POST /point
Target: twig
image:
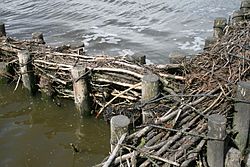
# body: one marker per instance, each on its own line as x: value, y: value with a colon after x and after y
x: 116, y: 149
x: 19, y: 78
x: 101, y: 110
x: 186, y: 133
x: 153, y: 156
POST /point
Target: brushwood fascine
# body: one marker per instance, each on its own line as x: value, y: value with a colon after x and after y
x: 161, y: 115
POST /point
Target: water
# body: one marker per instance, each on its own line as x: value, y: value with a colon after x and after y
x: 38, y: 133
x: 151, y: 27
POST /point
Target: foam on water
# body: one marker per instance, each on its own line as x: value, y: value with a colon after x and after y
x: 107, y: 25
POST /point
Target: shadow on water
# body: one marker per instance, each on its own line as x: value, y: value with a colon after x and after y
x: 39, y: 133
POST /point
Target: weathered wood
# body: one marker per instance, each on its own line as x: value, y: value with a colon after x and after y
x: 38, y: 37
x: 237, y: 16
x: 247, y: 160
x: 242, y: 116
x: 150, y: 87
x: 2, y: 29
x: 176, y: 57
x: 233, y: 158
x: 118, y: 126
x: 26, y: 69
x: 77, y: 47
x: 81, y: 90
x: 115, y: 150
x: 45, y: 85
x: 137, y: 58
x: 215, y: 148
x: 219, y: 25
x: 150, y: 90
x: 3, y: 72
x: 245, y: 6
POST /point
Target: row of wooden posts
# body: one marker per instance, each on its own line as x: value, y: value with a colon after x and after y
x: 217, y: 132
x: 221, y: 22
x: 150, y: 90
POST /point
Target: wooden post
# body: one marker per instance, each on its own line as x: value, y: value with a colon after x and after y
x: 219, y: 25
x: 118, y: 126
x: 81, y: 92
x: 136, y: 58
x: 77, y: 47
x: 245, y: 6
x: 46, y: 88
x: 176, y: 57
x: 233, y: 158
x: 25, y: 62
x: 242, y: 116
x: 3, y: 71
x: 237, y: 16
x: 215, y: 148
x: 38, y: 37
x: 247, y: 160
x: 150, y: 90
x: 2, y: 29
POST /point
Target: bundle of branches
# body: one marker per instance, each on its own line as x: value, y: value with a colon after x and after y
x: 113, y: 79
x: 177, y: 136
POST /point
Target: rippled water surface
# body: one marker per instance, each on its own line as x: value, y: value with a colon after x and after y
x: 37, y: 133
x: 152, y: 27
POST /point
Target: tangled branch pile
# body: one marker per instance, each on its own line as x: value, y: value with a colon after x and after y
x: 178, y: 134
x: 190, y: 92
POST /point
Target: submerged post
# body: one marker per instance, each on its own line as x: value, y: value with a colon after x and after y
x: 118, y: 126
x: 215, y: 146
x: 242, y: 116
x: 150, y: 90
x: 38, y: 37
x: 2, y: 29
x: 25, y: 62
x: 219, y: 25
x: 81, y: 92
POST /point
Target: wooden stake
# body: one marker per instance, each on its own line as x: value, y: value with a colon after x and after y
x: 3, y: 71
x: 38, y: 37
x: 242, y: 116
x: 2, y: 29
x: 77, y: 47
x: 219, y: 25
x: 233, y: 158
x: 215, y: 148
x: 25, y: 62
x: 118, y: 126
x: 81, y: 92
x: 245, y: 6
x: 150, y: 90
x: 237, y: 16
x: 137, y: 58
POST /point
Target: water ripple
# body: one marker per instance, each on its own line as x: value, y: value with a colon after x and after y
x: 134, y: 21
